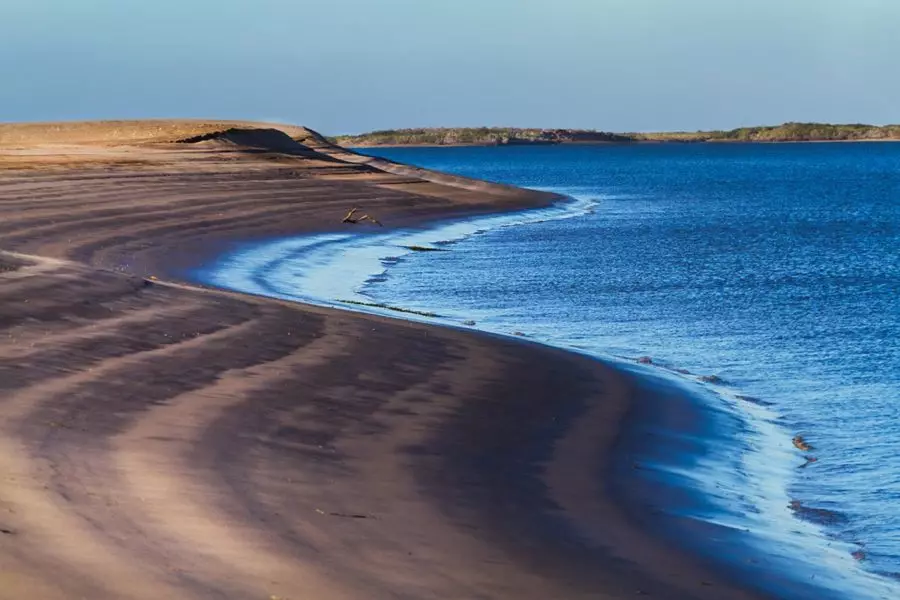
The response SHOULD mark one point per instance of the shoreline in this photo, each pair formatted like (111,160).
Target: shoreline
(311,449)
(590,435)
(655,431)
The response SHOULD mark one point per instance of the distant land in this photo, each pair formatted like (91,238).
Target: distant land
(500,136)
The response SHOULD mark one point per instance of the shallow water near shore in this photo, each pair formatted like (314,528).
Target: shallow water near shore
(770,271)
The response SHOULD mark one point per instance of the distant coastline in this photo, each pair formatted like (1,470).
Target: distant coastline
(510,136)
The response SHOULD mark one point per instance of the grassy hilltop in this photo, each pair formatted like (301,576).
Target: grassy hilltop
(496,136)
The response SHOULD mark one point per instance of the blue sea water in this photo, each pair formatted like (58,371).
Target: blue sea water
(773,268)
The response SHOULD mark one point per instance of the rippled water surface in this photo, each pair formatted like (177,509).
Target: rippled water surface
(775,268)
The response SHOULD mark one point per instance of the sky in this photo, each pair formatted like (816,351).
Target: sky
(346,66)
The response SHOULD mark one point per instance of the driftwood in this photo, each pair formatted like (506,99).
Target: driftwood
(354,220)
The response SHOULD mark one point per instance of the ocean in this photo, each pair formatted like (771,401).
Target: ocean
(761,281)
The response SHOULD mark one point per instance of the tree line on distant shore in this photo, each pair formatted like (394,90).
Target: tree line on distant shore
(496,136)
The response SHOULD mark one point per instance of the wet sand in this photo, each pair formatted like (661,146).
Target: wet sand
(160,440)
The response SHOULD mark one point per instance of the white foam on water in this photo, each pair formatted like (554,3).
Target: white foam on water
(332,269)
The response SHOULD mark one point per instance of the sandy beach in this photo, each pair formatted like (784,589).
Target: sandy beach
(163,440)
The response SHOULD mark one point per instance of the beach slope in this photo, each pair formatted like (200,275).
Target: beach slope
(162,440)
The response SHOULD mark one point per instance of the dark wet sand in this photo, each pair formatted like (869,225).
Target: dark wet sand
(165,441)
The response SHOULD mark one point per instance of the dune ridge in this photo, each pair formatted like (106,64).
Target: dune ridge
(126,132)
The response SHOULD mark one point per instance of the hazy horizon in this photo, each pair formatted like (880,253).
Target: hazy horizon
(354,66)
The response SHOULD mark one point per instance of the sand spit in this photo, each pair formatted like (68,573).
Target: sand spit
(158,440)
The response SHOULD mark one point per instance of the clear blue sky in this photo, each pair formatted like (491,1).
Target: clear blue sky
(354,65)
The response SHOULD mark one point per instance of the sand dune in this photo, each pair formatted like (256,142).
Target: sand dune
(158,440)
(125,132)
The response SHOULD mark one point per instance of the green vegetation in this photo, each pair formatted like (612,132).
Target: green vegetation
(476,136)
(493,136)
(788,132)
(389,307)
(799,132)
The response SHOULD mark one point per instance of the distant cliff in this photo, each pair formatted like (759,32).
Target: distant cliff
(498,136)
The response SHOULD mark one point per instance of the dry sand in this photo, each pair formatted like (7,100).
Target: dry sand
(158,440)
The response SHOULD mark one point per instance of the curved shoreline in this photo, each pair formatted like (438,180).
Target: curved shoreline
(166,440)
(651,446)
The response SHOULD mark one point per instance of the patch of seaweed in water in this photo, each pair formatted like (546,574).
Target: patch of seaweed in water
(421,313)
(757,401)
(425,249)
(821,516)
